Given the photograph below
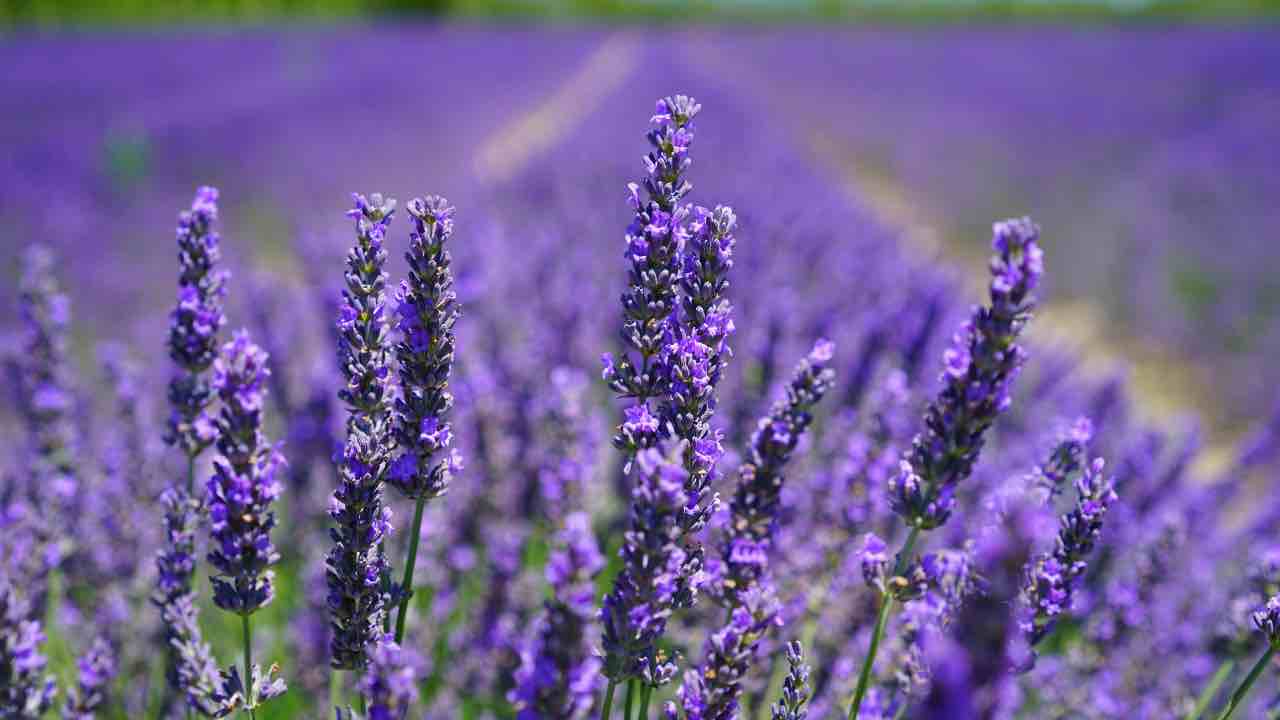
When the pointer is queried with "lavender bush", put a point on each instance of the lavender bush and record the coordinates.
(880, 516)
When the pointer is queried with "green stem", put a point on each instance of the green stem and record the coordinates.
(886, 604)
(248, 666)
(645, 694)
(407, 585)
(1238, 697)
(1210, 690)
(902, 710)
(608, 700)
(631, 696)
(335, 689)
(363, 703)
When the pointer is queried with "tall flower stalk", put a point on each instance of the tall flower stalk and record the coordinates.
(979, 369)
(1267, 620)
(738, 577)
(240, 494)
(357, 568)
(193, 329)
(427, 310)
(654, 239)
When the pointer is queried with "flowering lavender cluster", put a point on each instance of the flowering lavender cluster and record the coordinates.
(924, 572)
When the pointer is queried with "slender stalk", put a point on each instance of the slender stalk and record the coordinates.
(248, 667)
(1242, 692)
(335, 689)
(1210, 690)
(608, 701)
(631, 693)
(191, 487)
(886, 604)
(407, 585)
(363, 703)
(902, 709)
(645, 693)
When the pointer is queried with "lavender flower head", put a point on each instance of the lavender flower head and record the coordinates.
(795, 687)
(711, 692)
(1051, 577)
(635, 612)
(244, 483)
(47, 399)
(96, 669)
(194, 325)
(356, 565)
(979, 370)
(1267, 620)
(26, 690)
(391, 681)
(427, 309)
(654, 240)
(758, 494)
(558, 675)
(1064, 461)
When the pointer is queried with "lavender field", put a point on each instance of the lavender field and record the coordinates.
(741, 374)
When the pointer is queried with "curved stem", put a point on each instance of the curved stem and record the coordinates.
(1242, 692)
(248, 667)
(886, 604)
(608, 701)
(1210, 690)
(407, 586)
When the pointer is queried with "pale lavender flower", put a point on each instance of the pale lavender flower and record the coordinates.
(96, 669)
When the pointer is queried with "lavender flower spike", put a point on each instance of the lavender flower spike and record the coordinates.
(48, 400)
(635, 611)
(244, 483)
(980, 368)
(654, 240)
(558, 675)
(194, 325)
(192, 672)
(355, 565)
(96, 670)
(26, 691)
(795, 688)
(1051, 577)
(427, 307)
(738, 577)
(1267, 620)
(391, 681)
(240, 494)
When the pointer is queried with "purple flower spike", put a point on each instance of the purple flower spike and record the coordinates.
(27, 690)
(426, 310)
(244, 483)
(1267, 620)
(356, 568)
(194, 325)
(793, 705)
(654, 243)
(46, 397)
(635, 611)
(979, 370)
(391, 681)
(96, 670)
(558, 675)
(1051, 577)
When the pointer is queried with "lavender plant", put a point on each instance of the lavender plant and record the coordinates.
(427, 308)
(96, 668)
(240, 494)
(979, 370)
(795, 688)
(26, 690)
(357, 572)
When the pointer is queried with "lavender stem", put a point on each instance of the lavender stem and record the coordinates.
(1206, 696)
(248, 665)
(1238, 697)
(631, 693)
(886, 604)
(608, 700)
(335, 689)
(407, 585)
(645, 694)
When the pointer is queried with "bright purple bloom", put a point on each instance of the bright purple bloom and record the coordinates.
(244, 483)
(980, 368)
(357, 570)
(194, 325)
(635, 611)
(426, 309)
